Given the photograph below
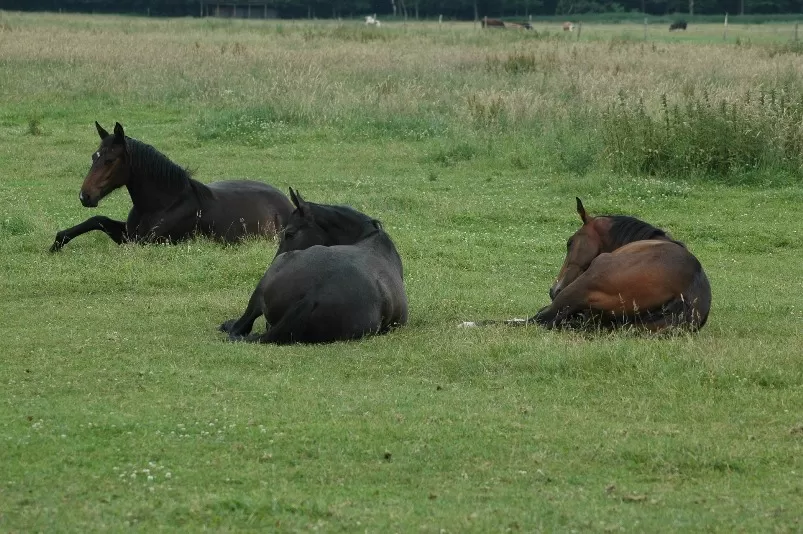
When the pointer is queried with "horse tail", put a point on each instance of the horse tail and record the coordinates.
(496, 322)
(697, 299)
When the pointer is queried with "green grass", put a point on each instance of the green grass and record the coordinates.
(123, 406)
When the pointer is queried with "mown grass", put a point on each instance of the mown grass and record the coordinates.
(123, 406)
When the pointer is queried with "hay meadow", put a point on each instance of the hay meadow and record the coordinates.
(123, 407)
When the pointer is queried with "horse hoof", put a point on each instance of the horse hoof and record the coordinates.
(467, 324)
(56, 246)
(226, 327)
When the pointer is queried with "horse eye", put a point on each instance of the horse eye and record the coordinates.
(109, 161)
(95, 156)
(569, 244)
(288, 235)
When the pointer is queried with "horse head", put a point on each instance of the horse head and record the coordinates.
(318, 224)
(581, 249)
(109, 169)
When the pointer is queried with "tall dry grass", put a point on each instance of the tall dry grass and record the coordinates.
(253, 82)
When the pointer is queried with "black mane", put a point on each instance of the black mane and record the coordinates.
(626, 229)
(342, 218)
(150, 164)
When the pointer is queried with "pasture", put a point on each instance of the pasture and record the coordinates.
(123, 406)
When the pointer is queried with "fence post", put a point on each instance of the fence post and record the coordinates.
(725, 33)
(796, 25)
(645, 28)
(579, 28)
(440, 21)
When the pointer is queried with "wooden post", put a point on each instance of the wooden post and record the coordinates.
(440, 21)
(725, 33)
(796, 25)
(645, 28)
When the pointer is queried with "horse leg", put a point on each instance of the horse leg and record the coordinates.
(116, 230)
(238, 328)
(567, 303)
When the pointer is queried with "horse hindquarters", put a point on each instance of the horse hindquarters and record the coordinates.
(315, 320)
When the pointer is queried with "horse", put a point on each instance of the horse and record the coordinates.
(568, 26)
(621, 271)
(678, 25)
(336, 276)
(371, 20)
(168, 204)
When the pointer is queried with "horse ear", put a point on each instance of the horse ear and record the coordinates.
(581, 210)
(119, 134)
(300, 203)
(101, 132)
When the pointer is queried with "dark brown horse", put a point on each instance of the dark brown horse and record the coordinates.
(169, 205)
(336, 276)
(619, 271)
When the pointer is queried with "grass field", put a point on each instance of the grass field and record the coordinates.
(122, 405)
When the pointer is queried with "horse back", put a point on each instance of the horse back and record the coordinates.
(231, 209)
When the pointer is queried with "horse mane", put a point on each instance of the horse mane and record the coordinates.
(626, 229)
(150, 164)
(343, 218)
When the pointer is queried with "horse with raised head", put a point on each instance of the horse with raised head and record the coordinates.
(168, 204)
(620, 271)
(336, 276)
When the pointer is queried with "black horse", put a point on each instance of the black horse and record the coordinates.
(168, 204)
(677, 25)
(336, 276)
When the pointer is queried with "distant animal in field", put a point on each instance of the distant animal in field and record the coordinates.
(371, 20)
(168, 204)
(677, 25)
(620, 271)
(497, 23)
(568, 26)
(336, 276)
(492, 23)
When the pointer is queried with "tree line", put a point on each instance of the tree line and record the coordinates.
(450, 9)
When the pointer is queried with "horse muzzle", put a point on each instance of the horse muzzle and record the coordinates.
(87, 201)
(553, 291)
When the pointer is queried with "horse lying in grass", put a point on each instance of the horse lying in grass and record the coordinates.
(621, 271)
(336, 276)
(169, 205)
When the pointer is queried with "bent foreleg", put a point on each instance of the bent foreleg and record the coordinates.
(116, 230)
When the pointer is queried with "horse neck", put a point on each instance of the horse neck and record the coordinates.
(629, 231)
(155, 182)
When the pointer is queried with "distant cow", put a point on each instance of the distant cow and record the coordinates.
(371, 20)
(568, 26)
(677, 25)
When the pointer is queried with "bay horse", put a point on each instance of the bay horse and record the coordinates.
(336, 276)
(620, 271)
(168, 204)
